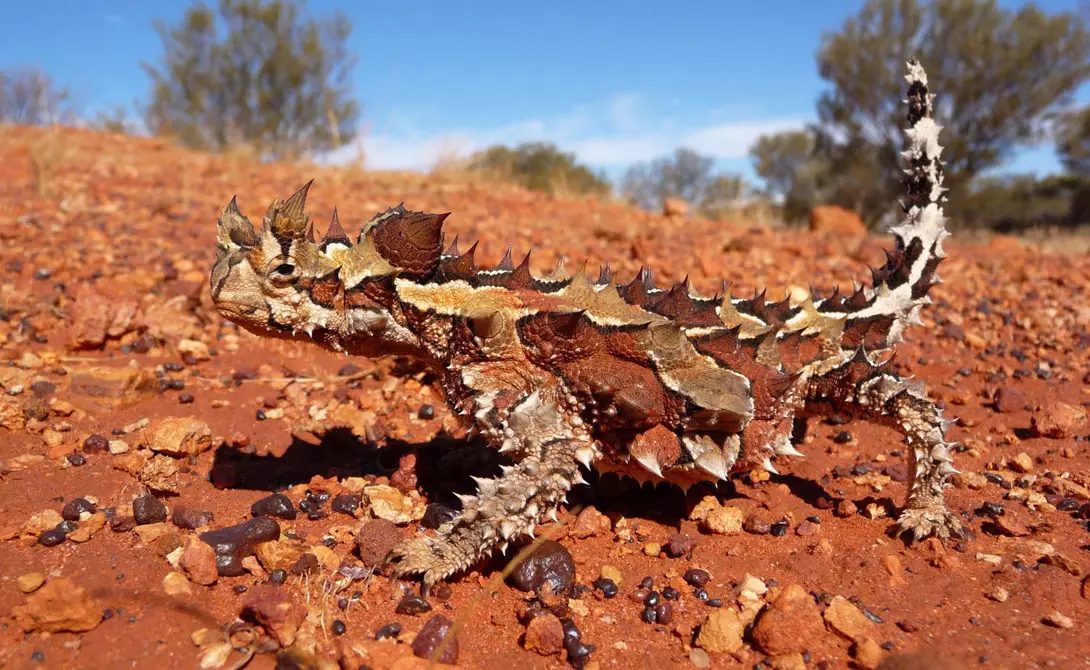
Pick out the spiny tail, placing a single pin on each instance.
(878, 315)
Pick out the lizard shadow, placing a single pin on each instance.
(443, 466)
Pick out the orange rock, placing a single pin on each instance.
(837, 221)
(59, 606)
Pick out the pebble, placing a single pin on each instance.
(544, 635)
(96, 444)
(606, 586)
(550, 563)
(375, 539)
(276, 505)
(30, 582)
(346, 503)
(844, 618)
(52, 537)
(611, 573)
(306, 564)
(178, 436)
(234, 543)
(696, 578)
(790, 623)
(389, 630)
(1058, 620)
(198, 562)
(339, 627)
(431, 637)
(147, 509)
(589, 523)
(721, 632)
(678, 545)
(756, 525)
(76, 506)
(190, 518)
(76, 460)
(412, 605)
(436, 515)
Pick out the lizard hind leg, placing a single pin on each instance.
(905, 406)
(505, 508)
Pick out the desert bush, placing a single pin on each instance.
(256, 73)
(539, 166)
(688, 175)
(29, 96)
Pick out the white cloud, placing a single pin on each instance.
(611, 133)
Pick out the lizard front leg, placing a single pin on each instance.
(545, 437)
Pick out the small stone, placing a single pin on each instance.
(756, 525)
(346, 503)
(544, 635)
(389, 503)
(998, 594)
(96, 444)
(1058, 620)
(234, 543)
(1023, 463)
(790, 623)
(725, 521)
(551, 563)
(275, 611)
(845, 509)
(58, 606)
(700, 658)
(721, 632)
(190, 518)
(148, 509)
(845, 619)
(198, 561)
(1011, 526)
(436, 515)
(806, 528)
(306, 564)
(52, 537)
(338, 627)
(276, 505)
(41, 522)
(29, 582)
(176, 584)
(868, 654)
(389, 630)
(696, 578)
(412, 605)
(678, 545)
(589, 523)
(754, 585)
(76, 460)
(375, 540)
(1008, 400)
(76, 506)
(178, 436)
(433, 636)
(1059, 420)
(652, 549)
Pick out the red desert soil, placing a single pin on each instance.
(121, 380)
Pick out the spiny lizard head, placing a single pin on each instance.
(280, 281)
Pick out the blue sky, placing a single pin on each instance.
(613, 81)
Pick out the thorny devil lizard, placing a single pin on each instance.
(561, 372)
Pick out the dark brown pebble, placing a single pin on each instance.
(436, 515)
(76, 506)
(697, 578)
(779, 529)
(389, 630)
(305, 564)
(375, 539)
(678, 545)
(338, 627)
(1008, 400)
(76, 460)
(190, 518)
(426, 412)
(186, 399)
(670, 593)
(278, 576)
(551, 563)
(276, 505)
(412, 605)
(349, 369)
(346, 503)
(43, 389)
(806, 528)
(640, 595)
(52, 537)
(148, 509)
(96, 444)
(715, 602)
(441, 592)
(908, 626)
(607, 586)
(234, 543)
(431, 637)
(664, 612)
(648, 615)
(647, 583)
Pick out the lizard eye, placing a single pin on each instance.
(283, 274)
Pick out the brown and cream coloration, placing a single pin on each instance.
(564, 372)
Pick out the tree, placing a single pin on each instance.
(999, 75)
(258, 74)
(792, 171)
(1073, 141)
(28, 96)
(686, 175)
(539, 166)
